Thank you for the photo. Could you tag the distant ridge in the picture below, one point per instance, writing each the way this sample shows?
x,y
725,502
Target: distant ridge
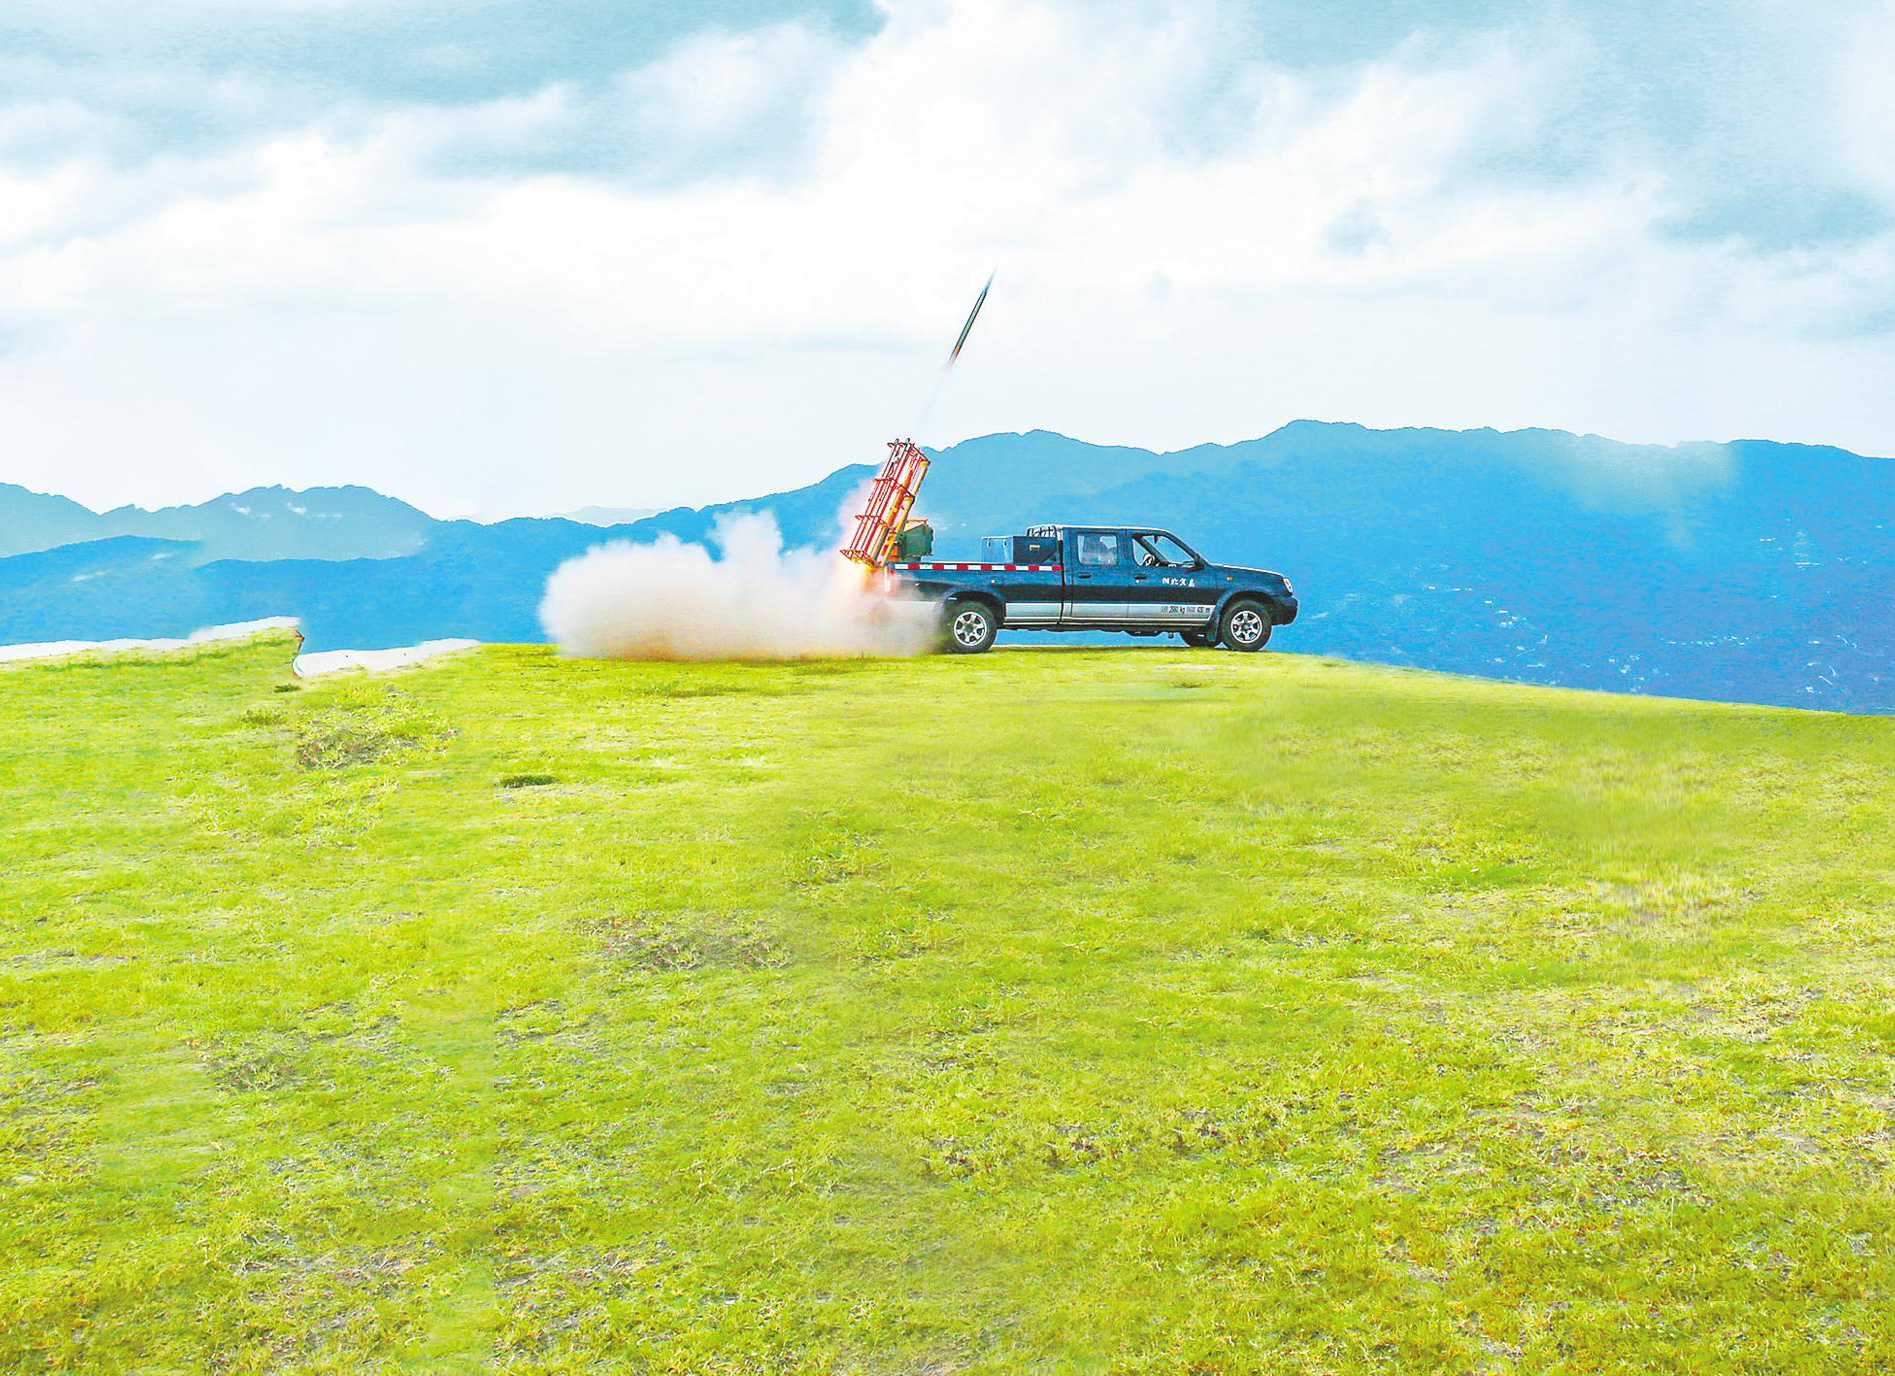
x,y
39,520
260,523
1748,571
609,515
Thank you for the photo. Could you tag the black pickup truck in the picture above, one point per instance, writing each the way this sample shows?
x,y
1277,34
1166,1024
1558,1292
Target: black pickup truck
x,y
1097,578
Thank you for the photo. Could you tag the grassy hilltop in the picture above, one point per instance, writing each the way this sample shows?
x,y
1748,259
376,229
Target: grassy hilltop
x,y
1129,1011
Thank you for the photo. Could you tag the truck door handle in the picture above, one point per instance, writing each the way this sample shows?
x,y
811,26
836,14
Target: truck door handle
x,y
1138,578
1082,575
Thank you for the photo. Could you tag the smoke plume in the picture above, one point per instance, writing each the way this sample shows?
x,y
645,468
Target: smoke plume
x,y
748,599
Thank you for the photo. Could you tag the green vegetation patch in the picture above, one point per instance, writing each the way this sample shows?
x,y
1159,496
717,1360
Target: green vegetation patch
x,y
1099,1011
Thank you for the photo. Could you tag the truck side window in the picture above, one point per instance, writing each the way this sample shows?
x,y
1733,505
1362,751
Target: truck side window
x,y
1098,551
1161,551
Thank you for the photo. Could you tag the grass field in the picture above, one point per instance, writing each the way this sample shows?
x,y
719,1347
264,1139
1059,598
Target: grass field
x,y
1129,1011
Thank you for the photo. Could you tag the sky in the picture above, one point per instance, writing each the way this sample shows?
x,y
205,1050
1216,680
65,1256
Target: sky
x,y
518,256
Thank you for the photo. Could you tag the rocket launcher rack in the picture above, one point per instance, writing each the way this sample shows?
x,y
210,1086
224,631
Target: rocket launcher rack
x,y
878,529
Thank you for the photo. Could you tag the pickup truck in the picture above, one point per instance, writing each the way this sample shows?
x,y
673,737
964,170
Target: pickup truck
x,y
1135,579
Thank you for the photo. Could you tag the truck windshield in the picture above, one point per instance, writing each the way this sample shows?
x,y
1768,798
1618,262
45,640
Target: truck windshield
x,y
1161,551
1098,549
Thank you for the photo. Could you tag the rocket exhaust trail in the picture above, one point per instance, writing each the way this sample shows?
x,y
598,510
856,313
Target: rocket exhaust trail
x,y
953,354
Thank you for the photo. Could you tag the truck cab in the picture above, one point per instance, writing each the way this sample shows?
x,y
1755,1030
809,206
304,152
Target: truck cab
x,y
1141,580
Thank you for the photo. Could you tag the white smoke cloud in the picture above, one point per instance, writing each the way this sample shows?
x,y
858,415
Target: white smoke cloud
x,y
750,599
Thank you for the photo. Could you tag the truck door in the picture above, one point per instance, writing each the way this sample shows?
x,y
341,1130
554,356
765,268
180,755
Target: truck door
x,y
1168,584
1028,579
1097,569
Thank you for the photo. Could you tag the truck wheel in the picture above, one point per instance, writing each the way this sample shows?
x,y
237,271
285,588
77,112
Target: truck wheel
x,y
970,627
1197,640
1246,627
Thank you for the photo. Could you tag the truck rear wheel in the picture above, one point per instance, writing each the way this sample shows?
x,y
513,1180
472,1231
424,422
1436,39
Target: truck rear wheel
x,y
970,627
1246,627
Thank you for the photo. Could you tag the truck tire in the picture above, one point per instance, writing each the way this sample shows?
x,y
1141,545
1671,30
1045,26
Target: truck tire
x,y
968,627
1245,627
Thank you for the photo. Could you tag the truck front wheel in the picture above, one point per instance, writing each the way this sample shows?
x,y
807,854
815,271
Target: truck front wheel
x,y
1246,627
970,627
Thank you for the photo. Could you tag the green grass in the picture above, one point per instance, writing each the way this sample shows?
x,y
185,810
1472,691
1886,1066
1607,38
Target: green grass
x,y
1129,1011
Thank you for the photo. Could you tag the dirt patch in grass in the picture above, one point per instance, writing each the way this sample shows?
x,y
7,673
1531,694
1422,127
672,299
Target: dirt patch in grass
x,y
358,730
695,945
311,1055
258,1067
834,858
337,745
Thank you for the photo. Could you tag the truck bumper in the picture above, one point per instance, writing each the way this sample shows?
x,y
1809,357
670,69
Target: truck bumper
x,y
1285,611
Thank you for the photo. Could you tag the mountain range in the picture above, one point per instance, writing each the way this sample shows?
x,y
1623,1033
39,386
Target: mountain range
x,y
262,523
1748,571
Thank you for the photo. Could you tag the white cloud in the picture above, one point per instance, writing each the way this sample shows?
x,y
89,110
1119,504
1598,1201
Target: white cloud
x,y
722,88
364,300
1866,117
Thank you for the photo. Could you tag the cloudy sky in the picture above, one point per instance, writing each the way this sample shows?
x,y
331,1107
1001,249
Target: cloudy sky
x,y
520,255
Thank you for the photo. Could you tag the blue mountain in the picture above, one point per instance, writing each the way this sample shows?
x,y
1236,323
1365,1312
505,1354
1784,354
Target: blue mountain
x,y
262,523
1750,571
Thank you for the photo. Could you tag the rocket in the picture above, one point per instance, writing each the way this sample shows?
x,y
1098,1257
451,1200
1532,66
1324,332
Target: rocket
x,y
979,301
